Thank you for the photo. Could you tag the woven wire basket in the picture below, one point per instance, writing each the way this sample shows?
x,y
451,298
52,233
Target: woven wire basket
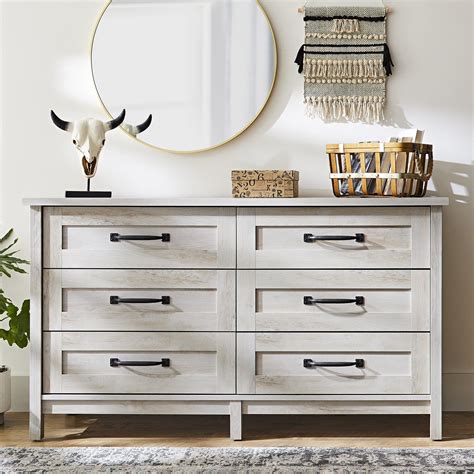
x,y
380,169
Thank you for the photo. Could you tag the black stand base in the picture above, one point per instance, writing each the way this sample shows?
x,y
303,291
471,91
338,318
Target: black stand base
x,y
88,194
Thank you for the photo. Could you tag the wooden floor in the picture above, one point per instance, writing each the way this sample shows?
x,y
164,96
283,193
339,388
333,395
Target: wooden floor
x,y
263,430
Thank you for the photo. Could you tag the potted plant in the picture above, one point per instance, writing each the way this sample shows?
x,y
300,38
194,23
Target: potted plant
x,y
18,331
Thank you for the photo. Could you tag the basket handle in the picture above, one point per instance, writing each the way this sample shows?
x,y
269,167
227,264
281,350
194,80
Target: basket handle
x,y
429,172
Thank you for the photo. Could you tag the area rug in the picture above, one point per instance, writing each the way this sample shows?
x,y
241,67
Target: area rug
x,y
234,460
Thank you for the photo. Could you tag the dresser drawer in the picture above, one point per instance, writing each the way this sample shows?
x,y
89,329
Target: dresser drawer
x,y
311,238
144,300
274,363
116,237
333,300
77,362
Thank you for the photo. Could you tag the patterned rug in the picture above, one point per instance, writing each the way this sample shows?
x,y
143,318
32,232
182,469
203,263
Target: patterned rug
x,y
235,460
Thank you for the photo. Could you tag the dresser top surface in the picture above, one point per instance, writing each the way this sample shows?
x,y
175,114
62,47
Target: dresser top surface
x,y
240,202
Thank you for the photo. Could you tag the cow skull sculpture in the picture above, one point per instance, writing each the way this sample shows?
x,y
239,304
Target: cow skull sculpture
x,y
88,136
134,130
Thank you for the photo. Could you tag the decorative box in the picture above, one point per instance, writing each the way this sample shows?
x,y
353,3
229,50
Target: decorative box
x,y
265,183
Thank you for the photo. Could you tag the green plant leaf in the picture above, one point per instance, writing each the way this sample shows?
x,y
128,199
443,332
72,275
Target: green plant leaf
x,y
24,317
4,272
4,302
13,267
18,332
8,262
6,236
21,341
12,310
9,258
5,335
9,247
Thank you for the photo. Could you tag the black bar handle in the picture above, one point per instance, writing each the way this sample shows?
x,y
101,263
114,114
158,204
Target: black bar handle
x,y
114,237
118,300
309,363
314,238
114,362
309,300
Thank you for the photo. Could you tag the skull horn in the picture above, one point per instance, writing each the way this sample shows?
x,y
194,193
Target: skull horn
x,y
143,126
114,123
60,123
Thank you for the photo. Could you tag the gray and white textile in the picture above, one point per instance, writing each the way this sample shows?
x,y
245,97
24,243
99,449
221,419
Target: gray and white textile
x,y
234,460
346,61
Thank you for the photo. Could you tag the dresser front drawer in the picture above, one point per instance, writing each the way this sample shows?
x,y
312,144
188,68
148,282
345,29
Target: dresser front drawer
x,y
295,363
139,300
77,362
130,237
334,238
333,300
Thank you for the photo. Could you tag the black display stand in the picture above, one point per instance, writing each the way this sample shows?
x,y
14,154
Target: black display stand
x,y
88,193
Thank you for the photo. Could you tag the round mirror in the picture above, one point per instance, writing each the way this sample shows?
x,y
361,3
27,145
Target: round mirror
x,y
204,69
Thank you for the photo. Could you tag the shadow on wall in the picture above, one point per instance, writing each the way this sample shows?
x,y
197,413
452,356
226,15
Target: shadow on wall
x,y
395,117
455,180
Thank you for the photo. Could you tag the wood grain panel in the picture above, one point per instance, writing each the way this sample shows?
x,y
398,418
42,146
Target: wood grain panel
x,y
395,363
79,300
80,362
394,238
80,238
394,300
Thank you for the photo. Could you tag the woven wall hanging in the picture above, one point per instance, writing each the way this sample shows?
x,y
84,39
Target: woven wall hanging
x,y
346,61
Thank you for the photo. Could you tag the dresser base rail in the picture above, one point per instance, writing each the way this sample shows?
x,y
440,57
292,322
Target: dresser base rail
x,y
236,408
239,397
220,407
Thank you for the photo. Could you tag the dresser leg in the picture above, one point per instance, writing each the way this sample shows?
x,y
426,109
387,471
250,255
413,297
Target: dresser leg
x,y
36,325
235,409
36,426
436,418
436,423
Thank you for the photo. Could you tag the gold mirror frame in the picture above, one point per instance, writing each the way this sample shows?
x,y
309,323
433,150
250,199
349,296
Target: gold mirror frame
x,y
188,152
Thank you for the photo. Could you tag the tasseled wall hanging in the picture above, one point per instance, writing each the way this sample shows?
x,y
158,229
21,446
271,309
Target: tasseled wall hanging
x,y
346,61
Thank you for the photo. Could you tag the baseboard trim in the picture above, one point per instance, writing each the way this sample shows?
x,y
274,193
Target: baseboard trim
x,y
20,392
458,392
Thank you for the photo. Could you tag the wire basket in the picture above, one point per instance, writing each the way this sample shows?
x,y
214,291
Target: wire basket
x,y
380,169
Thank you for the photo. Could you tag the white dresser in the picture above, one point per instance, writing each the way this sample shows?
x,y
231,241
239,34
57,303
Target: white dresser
x,y
235,306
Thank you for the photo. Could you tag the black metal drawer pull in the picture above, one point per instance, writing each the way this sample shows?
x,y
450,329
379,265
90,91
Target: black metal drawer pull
x,y
118,300
138,363
309,300
314,238
308,363
118,237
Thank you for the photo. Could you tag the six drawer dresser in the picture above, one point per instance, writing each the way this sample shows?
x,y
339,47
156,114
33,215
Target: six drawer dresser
x,y
235,306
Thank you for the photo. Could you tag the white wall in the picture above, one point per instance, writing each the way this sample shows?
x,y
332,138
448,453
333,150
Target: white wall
x,y
45,64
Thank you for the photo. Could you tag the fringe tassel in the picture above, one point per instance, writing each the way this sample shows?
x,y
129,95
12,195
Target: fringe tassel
x,y
387,60
300,59
344,68
345,26
354,109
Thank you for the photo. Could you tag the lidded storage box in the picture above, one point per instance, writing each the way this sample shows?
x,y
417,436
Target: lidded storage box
x,y
380,169
265,183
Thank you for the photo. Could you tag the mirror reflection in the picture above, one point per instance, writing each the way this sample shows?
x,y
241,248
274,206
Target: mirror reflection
x,y
204,69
